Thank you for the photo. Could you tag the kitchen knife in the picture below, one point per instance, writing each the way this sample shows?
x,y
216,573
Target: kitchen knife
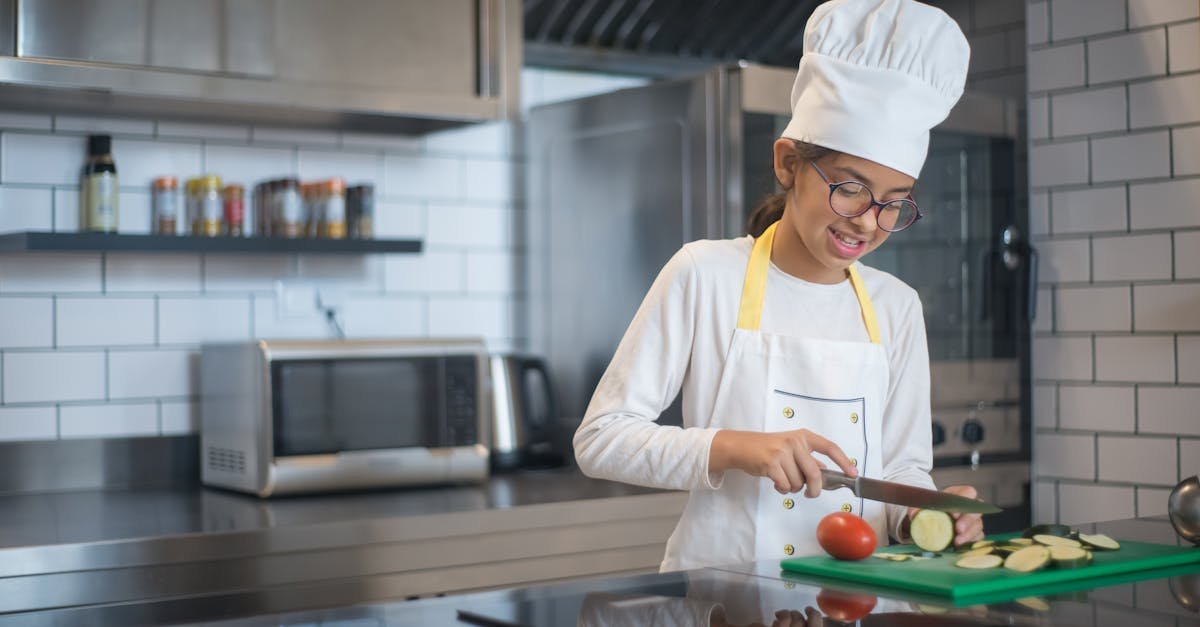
x,y
900,494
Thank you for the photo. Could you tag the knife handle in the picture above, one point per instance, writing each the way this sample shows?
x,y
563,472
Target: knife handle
x,y
833,480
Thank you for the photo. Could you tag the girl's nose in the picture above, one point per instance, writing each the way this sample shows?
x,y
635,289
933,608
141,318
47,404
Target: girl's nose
x,y
867,222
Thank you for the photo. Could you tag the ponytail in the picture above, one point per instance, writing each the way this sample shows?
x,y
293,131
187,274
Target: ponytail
x,y
770,209
768,212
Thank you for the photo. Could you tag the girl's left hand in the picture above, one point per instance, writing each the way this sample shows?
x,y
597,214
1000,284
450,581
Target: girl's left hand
x,y
967,527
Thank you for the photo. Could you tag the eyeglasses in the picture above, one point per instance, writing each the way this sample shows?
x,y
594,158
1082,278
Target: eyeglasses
x,y
851,199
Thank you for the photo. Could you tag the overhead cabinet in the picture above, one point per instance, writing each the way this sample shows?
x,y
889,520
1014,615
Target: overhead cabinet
x,y
423,61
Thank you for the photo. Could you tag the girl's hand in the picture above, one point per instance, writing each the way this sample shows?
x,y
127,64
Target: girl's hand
x,y
784,457
967,527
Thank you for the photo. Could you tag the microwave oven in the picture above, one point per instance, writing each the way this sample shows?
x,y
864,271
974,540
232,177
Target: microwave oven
x,y
290,417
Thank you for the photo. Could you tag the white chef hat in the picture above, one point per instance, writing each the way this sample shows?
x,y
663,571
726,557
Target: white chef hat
x,y
875,76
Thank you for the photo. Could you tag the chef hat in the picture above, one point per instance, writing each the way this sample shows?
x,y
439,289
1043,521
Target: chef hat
x,y
876,75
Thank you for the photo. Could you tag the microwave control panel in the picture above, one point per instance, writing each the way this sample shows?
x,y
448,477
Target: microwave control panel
x,y
462,402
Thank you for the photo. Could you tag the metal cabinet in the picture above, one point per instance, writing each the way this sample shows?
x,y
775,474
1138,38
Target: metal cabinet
x,y
450,60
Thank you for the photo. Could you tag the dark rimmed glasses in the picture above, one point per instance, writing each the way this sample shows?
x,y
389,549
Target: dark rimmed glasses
x,y
851,199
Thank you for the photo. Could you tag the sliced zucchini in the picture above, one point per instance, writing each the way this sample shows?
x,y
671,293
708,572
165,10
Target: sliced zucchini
x,y
901,557
1028,559
1050,540
1069,557
979,544
983,550
979,562
1099,541
932,530
1038,604
1049,530
1021,541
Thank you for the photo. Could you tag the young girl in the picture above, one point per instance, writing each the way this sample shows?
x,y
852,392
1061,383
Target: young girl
x,y
791,355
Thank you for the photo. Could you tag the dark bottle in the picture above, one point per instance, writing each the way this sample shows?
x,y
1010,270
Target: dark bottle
x,y
98,194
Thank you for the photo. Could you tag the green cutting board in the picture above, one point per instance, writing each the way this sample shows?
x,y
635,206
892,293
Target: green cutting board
x,y
938,576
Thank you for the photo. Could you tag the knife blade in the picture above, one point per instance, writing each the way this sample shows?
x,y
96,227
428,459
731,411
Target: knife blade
x,y
900,494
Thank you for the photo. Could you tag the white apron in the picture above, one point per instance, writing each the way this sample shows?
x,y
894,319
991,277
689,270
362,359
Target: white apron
x,y
770,383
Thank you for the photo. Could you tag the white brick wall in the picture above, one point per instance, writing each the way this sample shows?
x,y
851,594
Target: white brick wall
x,y
105,345
1136,55
1078,18
1095,408
1121,247
1089,210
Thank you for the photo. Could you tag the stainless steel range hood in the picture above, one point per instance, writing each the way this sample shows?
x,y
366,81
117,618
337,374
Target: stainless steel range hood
x,y
379,64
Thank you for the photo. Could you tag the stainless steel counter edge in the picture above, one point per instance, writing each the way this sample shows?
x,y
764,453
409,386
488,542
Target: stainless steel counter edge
x,y
38,560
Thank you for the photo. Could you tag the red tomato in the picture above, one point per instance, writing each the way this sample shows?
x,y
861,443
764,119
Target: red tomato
x,y
846,536
844,606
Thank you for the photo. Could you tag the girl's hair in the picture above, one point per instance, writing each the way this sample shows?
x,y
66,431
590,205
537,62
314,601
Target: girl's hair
x,y
770,209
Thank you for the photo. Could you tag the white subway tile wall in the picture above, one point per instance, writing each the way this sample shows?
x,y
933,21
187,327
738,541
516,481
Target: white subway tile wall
x,y
1183,47
1078,18
1136,55
107,345
1119,166
1090,210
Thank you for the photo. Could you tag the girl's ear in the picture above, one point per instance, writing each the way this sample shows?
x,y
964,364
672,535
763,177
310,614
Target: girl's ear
x,y
786,162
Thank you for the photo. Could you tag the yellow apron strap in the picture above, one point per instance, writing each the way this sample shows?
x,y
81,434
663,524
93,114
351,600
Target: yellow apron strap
x,y
754,288
755,285
864,302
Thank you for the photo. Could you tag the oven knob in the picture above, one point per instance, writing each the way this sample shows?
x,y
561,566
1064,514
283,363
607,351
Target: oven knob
x,y
939,433
972,432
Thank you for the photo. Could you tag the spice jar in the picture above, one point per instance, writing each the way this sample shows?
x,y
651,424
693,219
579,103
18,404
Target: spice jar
x,y
332,221
290,208
234,210
309,194
164,205
204,205
259,199
360,211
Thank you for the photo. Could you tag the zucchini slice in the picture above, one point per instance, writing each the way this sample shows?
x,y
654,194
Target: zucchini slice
x,y
1022,541
1069,557
1050,540
1099,541
1037,604
1028,559
983,550
979,562
1049,530
932,530
979,544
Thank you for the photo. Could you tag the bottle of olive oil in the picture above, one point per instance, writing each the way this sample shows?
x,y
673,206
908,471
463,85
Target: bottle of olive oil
x,y
98,196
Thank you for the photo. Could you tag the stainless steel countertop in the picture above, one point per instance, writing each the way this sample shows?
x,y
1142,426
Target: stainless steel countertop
x,y
106,516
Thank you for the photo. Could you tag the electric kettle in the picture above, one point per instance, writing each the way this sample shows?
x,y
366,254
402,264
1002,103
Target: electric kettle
x,y
524,414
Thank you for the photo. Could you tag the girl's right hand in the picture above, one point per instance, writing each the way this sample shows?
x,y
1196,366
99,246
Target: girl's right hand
x,y
784,457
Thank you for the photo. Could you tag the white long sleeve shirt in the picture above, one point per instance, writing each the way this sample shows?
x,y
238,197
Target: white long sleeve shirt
x,y
679,339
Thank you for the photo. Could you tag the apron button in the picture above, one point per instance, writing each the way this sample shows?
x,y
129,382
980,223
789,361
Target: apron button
x,y
788,503
788,413
854,418
788,549
846,507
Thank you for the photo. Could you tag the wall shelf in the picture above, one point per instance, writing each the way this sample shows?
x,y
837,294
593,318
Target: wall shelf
x,y
31,241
